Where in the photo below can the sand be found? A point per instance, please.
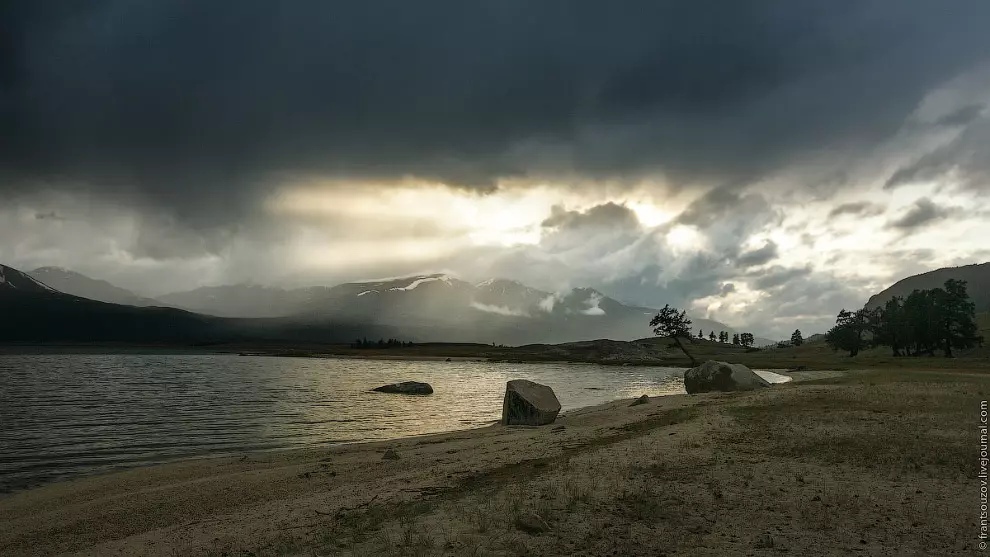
(873, 465)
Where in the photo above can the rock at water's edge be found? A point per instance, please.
(643, 399)
(406, 388)
(722, 376)
(529, 403)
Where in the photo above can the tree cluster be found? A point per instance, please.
(925, 321)
(381, 343)
(670, 322)
(743, 339)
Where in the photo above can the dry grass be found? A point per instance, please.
(896, 427)
(868, 464)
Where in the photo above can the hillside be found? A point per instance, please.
(71, 282)
(13, 282)
(977, 278)
(241, 300)
(34, 312)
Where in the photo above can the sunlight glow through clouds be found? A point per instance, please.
(509, 216)
(506, 217)
(732, 306)
(683, 239)
(648, 214)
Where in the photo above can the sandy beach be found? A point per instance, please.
(869, 463)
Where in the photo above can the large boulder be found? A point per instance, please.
(528, 403)
(406, 388)
(722, 376)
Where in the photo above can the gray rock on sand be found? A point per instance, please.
(722, 376)
(529, 403)
(406, 388)
(643, 399)
(531, 523)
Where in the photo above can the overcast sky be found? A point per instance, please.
(761, 163)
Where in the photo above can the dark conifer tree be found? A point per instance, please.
(796, 338)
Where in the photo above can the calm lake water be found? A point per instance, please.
(67, 415)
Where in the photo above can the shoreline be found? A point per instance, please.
(250, 497)
(647, 352)
(108, 350)
(781, 377)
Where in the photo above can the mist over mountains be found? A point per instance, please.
(77, 284)
(52, 303)
(434, 307)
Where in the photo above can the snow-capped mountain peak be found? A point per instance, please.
(445, 279)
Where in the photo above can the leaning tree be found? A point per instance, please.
(674, 324)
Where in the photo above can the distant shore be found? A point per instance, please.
(644, 352)
(27, 349)
(601, 479)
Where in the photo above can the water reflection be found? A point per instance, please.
(63, 415)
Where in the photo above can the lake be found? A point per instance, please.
(67, 415)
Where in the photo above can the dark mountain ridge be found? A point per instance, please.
(977, 278)
(77, 284)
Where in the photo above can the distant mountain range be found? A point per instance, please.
(496, 310)
(420, 308)
(434, 307)
(977, 278)
(71, 282)
(35, 312)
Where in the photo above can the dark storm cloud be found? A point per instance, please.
(758, 256)
(595, 232)
(922, 213)
(777, 276)
(861, 208)
(702, 276)
(50, 215)
(196, 107)
(967, 157)
(961, 116)
(710, 207)
(606, 215)
(809, 304)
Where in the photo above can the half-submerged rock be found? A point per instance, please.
(406, 388)
(722, 376)
(529, 403)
